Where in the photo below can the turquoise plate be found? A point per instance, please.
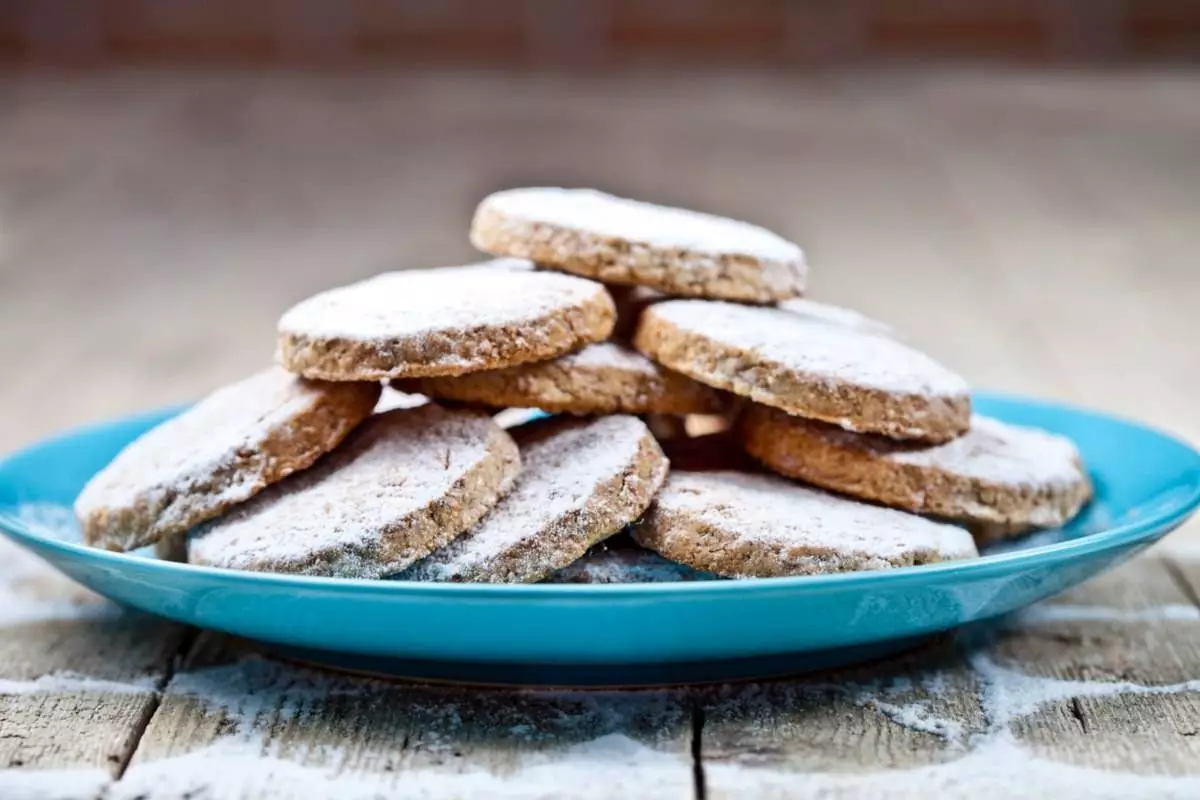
(578, 634)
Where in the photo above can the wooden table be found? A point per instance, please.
(1034, 230)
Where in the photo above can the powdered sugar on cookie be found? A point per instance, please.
(996, 452)
(445, 321)
(609, 355)
(217, 453)
(581, 482)
(405, 483)
(811, 347)
(742, 525)
(636, 221)
(835, 315)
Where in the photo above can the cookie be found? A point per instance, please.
(220, 452)
(743, 526)
(403, 484)
(626, 565)
(582, 481)
(1008, 478)
(604, 378)
(832, 373)
(631, 301)
(836, 315)
(447, 321)
(628, 242)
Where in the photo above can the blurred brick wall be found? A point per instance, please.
(593, 32)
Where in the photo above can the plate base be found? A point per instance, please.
(597, 676)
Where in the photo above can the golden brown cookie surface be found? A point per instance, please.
(445, 321)
(582, 481)
(859, 381)
(405, 483)
(220, 452)
(1005, 478)
(622, 241)
(740, 525)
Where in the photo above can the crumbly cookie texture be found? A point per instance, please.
(859, 381)
(220, 452)
(582, 481)
(405, 483)
(603, 378)
(1006, 479)
(444, 321)
(743, 526)
(622, 241)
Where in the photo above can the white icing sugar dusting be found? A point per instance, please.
(390, 400)
(66, 681)
(170, 464)
(1000, 453)
(835, 315)
(552, 507)
(610, 355)
(444, 301)
(332, 518)
(817, 349)
(52, 784)
(1049, 613)
(771, 511)
(635, 221)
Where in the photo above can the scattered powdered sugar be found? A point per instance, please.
(994, 451)
(835, 315)
(390, 400)
(610, 355)
(67, 681)
(564, 467)
(658, 226)
(626, 565)
(331, 519)
(444, 301)
(169, 464)
(53, 784)
(816, 349)
(1049, 613)
(772, 511)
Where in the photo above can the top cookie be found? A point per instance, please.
(405, 483)
(739, 526)
(447, 321)
(218, 453)
(1008, 478)
(623, 241)
(809, 368)
(581, 482)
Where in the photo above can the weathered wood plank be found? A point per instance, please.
(235, 725)
(78, 680)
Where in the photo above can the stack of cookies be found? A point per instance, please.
(376, 446)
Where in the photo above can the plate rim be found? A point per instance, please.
(1129, 534)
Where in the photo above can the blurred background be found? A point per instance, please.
(1014, 185)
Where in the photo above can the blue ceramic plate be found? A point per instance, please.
(1147, 484)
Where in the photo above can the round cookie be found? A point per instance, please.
(836, 315)
(445, 321)
(760, 526)
(220, 452)
(582, 481)
(812, 369)
(621, 241)
(405, 483)
(603, 378)
(1005, 478)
